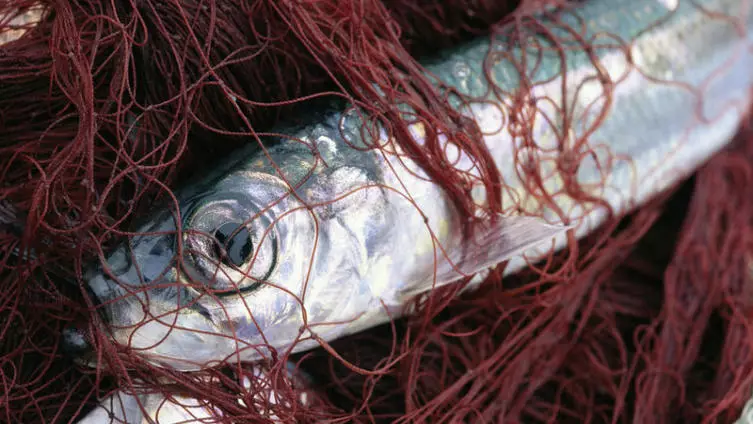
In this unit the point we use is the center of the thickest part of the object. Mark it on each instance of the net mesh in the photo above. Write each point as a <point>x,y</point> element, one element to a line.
<point>106,105</point>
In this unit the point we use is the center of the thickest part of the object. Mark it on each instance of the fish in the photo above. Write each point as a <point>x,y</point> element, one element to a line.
<point>141,404</point>
<point>143,407</point>
<point>321,237</point>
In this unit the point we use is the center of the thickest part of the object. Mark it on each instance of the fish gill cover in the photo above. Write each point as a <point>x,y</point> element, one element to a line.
<point>105,106</point>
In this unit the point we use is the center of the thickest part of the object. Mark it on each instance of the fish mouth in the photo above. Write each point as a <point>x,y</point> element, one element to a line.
<point>160,321</point>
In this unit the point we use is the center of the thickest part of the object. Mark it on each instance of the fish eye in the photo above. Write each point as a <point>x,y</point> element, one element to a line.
<point>230,246</point>
<point>234,244</point>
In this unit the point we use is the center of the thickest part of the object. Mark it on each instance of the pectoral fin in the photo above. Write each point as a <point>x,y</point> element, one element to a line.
<point>492,243</point>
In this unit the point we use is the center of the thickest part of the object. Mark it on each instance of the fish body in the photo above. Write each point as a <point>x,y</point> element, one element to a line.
<point>123,407</point>
<point>264,266</point>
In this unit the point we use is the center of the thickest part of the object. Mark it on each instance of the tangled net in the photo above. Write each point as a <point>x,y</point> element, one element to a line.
<point>104,105</point>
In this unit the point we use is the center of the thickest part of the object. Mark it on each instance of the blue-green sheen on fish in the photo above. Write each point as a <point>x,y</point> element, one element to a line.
<point>261,268</point>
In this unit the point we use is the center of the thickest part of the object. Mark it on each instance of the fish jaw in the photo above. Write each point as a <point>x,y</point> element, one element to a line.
<point>169,325</point>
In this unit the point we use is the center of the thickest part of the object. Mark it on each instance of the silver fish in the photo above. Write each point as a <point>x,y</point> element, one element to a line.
<point>262,268</point>
<point>134,407</point>
<point>140,405</point>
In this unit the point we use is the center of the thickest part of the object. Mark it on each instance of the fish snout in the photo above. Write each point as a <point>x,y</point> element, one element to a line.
<point>120,287</point>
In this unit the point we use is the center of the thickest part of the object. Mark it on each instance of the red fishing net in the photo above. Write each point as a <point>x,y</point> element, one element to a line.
<point>104,106</point>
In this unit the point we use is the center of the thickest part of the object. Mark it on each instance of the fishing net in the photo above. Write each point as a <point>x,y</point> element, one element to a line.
<point>106,106</point>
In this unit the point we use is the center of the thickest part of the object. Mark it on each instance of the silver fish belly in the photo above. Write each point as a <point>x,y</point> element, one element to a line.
<point>265,267</point>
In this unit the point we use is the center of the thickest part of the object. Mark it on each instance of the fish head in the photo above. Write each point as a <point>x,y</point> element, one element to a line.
<point>247,266</point>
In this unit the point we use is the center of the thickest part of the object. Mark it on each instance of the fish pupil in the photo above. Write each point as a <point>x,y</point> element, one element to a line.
<point>237,243</point>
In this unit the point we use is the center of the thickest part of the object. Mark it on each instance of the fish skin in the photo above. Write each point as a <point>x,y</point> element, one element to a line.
<point>374,246</point>
<point>123,407</point>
